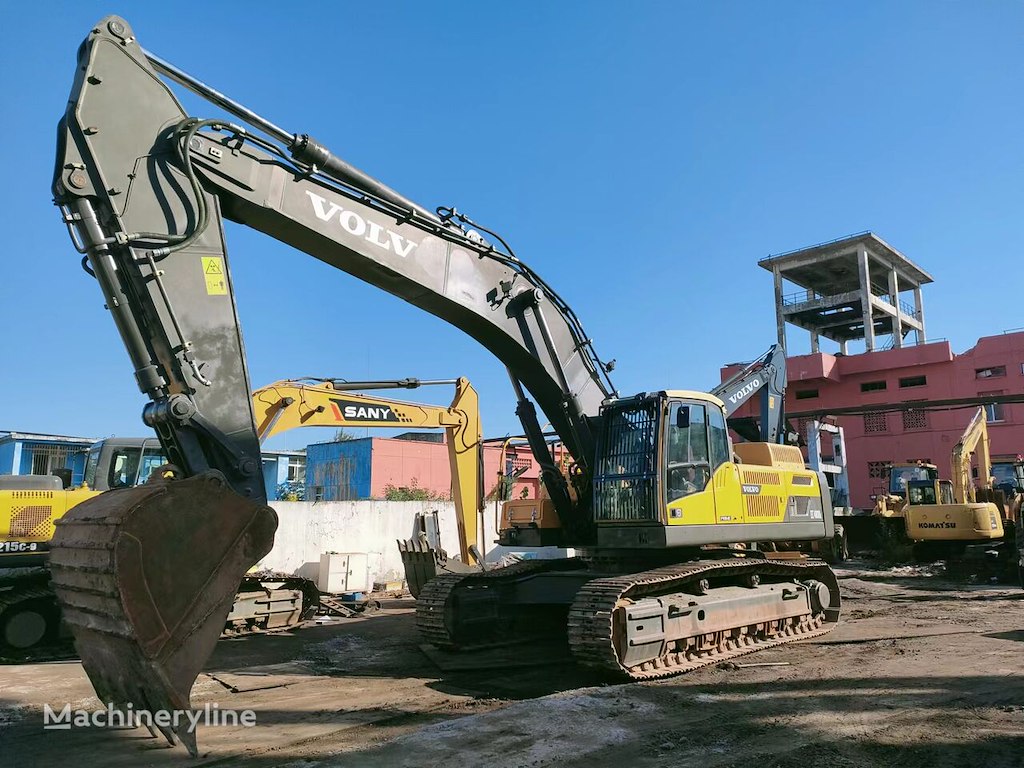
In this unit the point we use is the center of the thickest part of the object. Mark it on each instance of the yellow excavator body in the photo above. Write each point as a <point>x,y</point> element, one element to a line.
<point>27,517</point>
<point>954,522</point>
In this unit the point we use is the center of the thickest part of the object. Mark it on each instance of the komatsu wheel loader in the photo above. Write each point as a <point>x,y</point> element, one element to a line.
<point>30,505</point>
<point>653,502</point>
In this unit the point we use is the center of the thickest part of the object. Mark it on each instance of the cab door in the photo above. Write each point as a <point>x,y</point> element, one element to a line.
<point>697,466</point>
<point>730,503</point>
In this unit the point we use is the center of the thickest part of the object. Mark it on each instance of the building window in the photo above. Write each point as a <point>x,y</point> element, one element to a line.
<point>876,422</point>
<point>878,469</point>
<point>914,419</point>
<point>296,469</point>
<point>913,381</point>
<point>991,372</point>
<point>46,458</point>
<point>993,411</point>
<point>873,386</point>
<point>806,394</point>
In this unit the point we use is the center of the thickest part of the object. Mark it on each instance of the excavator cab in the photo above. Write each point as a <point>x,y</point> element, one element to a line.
<point>122,462</point>
<point>902,476</point>
<point>668,476</point>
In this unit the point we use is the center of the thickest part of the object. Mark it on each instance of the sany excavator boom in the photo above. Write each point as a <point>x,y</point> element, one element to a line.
<point>289,404</point>
<point>652,500</point>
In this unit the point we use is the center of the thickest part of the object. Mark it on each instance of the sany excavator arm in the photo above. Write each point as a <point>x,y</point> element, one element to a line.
<point>143,189</point>
<point>291,404</point>
<point>974,439</point>
<point>765,376</point>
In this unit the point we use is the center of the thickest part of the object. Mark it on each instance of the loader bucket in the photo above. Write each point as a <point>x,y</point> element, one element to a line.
<point>145,578</point>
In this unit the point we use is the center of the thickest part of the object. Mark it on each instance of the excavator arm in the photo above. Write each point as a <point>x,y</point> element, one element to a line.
<point>765,377</point>
<point>289,404</point>
<point>143,189</point>
<point>974,439</point>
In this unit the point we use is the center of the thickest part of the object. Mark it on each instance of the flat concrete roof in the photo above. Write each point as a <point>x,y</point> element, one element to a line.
<point>39,437</point>
<point>830,268</point>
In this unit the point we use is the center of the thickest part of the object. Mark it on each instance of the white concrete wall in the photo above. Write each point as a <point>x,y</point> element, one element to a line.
<point>307,529</point>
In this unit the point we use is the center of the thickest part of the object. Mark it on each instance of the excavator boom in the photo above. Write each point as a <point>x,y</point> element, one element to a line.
<point>766,378</point>
<point>974,439</point>
<point>143,189</point>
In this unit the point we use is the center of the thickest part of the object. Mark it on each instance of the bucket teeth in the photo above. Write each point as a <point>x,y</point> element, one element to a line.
<point>146,577</point>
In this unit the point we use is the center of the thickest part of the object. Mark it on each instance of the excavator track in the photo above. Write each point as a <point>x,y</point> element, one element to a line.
<point>435,610</point>
<point>595,624</point>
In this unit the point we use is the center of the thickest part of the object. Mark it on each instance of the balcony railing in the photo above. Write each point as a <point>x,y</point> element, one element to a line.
<point>799,297</point>
<point>905,307</point>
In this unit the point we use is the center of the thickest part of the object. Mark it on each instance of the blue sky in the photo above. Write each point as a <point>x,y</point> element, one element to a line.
<point>641,156</point>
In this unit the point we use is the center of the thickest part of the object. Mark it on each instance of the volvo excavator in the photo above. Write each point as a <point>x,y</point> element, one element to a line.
<point>30,505</point>
<point>651,503</point>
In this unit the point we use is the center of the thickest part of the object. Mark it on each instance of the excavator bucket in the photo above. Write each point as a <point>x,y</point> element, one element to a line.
<point>145,577</point>
<point>423,562</point>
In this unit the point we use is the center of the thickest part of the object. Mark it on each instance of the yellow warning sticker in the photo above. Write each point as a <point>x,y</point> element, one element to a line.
<point>216,280</point>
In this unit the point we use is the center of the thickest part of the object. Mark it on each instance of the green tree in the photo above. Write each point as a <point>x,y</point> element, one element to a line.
<point>412,492</point>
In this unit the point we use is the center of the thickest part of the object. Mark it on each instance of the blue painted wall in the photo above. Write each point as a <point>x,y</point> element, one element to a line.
<point>275,472</point>
<point>6,457</point>
<point>16,457</point>
<point>338,471</point>
<point>77,465</point>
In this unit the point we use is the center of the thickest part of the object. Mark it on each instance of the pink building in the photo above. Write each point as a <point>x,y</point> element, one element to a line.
<point>367,467</point>
<point>821,383</point>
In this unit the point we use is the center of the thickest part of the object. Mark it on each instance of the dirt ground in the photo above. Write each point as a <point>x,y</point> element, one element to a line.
<point>923,671</point>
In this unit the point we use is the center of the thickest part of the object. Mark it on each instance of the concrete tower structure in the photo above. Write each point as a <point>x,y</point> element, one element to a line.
<point>851,289</point>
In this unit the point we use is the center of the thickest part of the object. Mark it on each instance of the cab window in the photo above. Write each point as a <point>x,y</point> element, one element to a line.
<point>124,468</point>
<point>152,458</point>
<point>689,462</point>
<point>91,463</point>
<point>719,438</point>
<point>946,490</point>
<point>922,494</point>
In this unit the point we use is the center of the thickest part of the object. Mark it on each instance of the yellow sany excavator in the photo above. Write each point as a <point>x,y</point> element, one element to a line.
<point>30,505</point>
<point>652,503</point>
